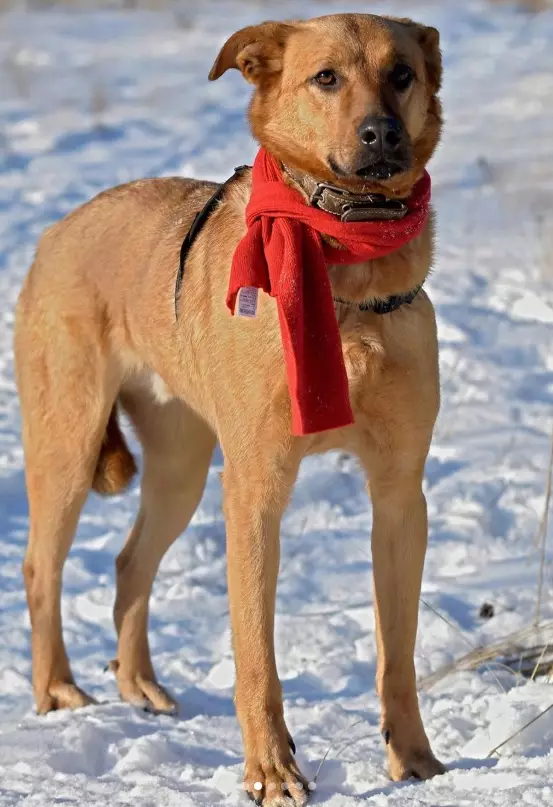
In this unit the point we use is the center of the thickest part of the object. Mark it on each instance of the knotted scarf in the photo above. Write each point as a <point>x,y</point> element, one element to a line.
<point>283,253</point>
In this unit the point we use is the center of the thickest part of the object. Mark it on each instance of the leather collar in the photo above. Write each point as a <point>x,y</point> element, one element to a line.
<point>346,205</point>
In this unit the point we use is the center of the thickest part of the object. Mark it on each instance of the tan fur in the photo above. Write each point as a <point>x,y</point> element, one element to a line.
<point>95,327</point>
<point>116,466</point>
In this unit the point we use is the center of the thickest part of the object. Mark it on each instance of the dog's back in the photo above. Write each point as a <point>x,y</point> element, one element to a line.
<point>85,267</point>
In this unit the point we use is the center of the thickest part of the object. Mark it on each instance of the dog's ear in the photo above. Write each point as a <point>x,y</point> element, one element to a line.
<point>256,51</point>
<point>429,40</point>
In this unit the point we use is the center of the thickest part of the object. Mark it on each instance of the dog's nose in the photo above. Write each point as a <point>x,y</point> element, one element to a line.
<point>381,134</point>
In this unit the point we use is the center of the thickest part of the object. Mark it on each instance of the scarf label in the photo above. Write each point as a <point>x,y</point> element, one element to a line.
<point>247,301</point>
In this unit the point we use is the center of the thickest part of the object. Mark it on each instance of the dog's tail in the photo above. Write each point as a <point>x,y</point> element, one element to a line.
<point>116,465</point>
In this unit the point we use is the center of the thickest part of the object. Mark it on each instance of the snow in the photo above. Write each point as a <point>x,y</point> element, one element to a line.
<point>88,100</point>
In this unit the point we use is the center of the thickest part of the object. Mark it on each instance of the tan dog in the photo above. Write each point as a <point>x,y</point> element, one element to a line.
<point>96,328</point>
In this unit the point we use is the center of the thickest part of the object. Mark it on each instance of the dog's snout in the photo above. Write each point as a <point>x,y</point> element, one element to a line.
<point>382,134</point>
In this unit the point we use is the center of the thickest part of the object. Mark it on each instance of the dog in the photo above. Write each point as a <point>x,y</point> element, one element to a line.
<point>347,107</point>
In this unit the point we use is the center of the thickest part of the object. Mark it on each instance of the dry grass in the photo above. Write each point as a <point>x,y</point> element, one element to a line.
<point>541,536</point>
<point>528,653</point>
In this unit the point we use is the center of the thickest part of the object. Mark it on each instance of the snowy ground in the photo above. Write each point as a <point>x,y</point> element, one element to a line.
<point>90,101</point>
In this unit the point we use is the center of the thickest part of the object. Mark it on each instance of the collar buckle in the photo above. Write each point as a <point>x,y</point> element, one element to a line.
<point>318,192</point>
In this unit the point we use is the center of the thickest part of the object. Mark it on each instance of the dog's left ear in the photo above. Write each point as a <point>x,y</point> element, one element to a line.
<point>256,51</point>
<point>429,40</point>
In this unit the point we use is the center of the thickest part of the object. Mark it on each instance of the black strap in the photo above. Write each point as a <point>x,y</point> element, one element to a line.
<point>384,306</point>
<point>197,225</point>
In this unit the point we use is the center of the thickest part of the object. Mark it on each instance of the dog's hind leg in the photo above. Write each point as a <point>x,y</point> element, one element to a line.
<point>66,399</point>
<point>177,451</point>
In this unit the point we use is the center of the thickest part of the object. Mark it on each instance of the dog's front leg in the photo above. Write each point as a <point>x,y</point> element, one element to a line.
<point>254,503</point>
<point>398,546</point>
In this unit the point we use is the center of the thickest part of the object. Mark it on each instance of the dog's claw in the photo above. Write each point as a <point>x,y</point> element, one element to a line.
<point>256,797</point>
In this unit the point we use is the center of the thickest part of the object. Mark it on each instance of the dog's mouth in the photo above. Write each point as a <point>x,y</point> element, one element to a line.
<point>380,170</point>
<point>377,171</point>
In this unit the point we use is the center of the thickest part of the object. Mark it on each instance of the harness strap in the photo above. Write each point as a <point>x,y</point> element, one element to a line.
<point>198,223</point>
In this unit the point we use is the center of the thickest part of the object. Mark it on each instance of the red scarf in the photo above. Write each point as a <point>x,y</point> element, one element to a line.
<point>283,254</point>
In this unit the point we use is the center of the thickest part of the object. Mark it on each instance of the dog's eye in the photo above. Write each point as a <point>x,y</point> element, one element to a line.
<point>401,77</point>
<point>326,78</point>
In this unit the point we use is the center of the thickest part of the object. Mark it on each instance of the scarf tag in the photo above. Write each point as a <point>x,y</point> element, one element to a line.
<point>247,302</point>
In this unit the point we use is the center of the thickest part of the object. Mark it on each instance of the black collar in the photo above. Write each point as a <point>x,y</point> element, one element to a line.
<point>330,196</point>
<point>385,306</point>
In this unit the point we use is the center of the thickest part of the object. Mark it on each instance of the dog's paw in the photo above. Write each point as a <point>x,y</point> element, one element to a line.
<point>143,692</point>
<point>63,695</point>
<point>416,764</point>
<point>276,785</point>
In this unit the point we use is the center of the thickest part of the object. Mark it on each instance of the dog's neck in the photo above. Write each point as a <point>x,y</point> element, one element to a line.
<point>344,204</point>
<point>369,285</point>
<point>364,287</point>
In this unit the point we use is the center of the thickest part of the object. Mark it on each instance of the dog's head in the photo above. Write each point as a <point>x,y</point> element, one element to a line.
<point>348,98</point>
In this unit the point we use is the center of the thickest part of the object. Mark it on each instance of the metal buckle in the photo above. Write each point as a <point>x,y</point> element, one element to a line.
<point>320,188</point>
